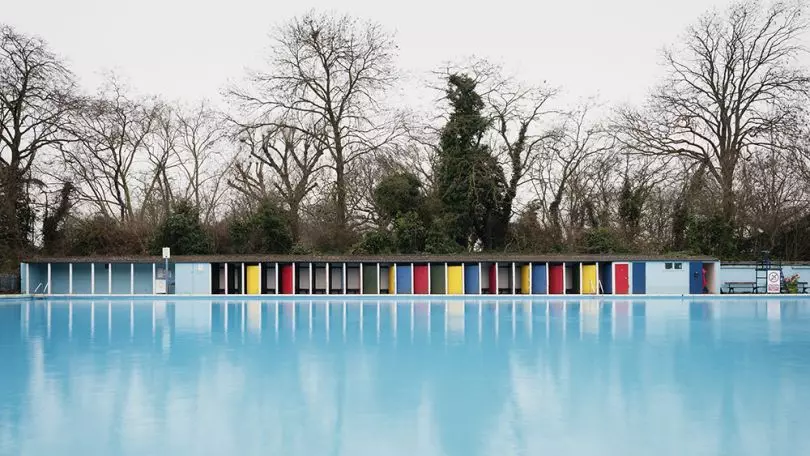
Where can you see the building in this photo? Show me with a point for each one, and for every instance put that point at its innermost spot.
(478, 274)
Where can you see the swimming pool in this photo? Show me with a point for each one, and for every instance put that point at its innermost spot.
(405, 377)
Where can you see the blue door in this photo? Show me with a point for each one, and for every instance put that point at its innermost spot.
(696, 277)
(472, 278)
(539, 279)
(403, 272)
(639, 278)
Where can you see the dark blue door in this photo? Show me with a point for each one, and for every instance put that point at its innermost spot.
(695, 277)
(639, 278)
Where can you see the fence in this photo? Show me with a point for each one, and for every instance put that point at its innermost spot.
(9, 283)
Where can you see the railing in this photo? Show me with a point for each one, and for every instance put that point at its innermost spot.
(9, 283)
(45, 288)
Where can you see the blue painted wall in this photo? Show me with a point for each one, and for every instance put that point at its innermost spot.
(81, 278)
(747, 273)
(120, 278)
(404, 279)
(539, 283)
(472, 278)
(660, 280)
(102, 284)
(59, 278)
(143, 279)
(38, 276)
(638, 276)
(192, 278)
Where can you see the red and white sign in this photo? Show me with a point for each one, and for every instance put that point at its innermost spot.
(774, 281)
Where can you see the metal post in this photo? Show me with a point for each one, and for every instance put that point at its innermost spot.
(497, 279)
(343, 283)
(227, 283)
(328, 274)
(92, 278)
(514, 279)
(49, 279)
(479, 278)
(27, 278)
(109, 278)
(70, 278)
(242, 281)
(154, 277)
(131, 278)
(413, 290)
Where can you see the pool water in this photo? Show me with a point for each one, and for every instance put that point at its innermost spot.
(405, 377)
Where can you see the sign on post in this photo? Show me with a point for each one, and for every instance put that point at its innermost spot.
(167, 253)
(774, 281)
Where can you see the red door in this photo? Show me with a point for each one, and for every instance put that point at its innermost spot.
(493, 278)
(287, 279)
(420, 279)
(556, 284)
(621, 274)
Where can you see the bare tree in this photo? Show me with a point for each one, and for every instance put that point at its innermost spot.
(282, 161)
(578, 141)
(35, 93)
(329, 72)
(112, 135)
(729, 88)
(201, 159)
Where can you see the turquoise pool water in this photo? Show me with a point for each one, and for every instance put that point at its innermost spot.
(403, 377)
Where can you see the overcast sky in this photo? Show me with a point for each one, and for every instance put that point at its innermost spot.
(190, 49)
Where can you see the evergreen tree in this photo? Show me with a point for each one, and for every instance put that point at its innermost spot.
(471, 184)
(183, 232)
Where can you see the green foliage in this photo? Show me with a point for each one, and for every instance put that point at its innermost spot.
(398, 193)
(631, 206)
(410, 234)
(262, 231)
(602, 240)
(182, 232)
(375, 242)
(712, 235)
(471, 184)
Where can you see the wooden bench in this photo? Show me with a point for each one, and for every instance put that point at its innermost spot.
(741, 287)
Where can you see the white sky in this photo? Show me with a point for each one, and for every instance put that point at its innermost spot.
(190, 49)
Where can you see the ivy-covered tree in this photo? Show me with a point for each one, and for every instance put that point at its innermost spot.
(471, 184)
(182, 232)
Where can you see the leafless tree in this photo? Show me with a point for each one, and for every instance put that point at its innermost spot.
(578, 142)
(36, 91)
(202, 158)
(732, 84)
(283, 162)
(112, 135)
(329, 72)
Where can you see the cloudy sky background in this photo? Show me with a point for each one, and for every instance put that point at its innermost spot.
(191, 49)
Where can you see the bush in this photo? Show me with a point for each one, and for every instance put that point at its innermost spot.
(182, 232)
(262, 231)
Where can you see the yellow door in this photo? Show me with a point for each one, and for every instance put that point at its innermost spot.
(392, 279)
(525, 277)
(253, 276)
(455, 280)
(590, 283)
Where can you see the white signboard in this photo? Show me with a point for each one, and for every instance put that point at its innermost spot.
(774, 281)
(160, 286)
(166, 252)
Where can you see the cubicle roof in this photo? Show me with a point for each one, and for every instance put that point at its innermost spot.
(415, 258)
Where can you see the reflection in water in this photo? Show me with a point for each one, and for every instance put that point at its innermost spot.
(426, 377)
